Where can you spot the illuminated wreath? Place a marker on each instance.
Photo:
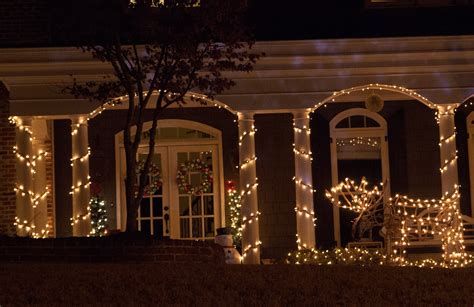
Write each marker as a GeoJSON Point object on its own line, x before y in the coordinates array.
{"type": "Point", "coordinates": [155, 178]}
{"type": "Point", "coordinates": [194, 165]}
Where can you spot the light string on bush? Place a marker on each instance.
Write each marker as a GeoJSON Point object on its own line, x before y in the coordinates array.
{"type": "Point", "coordinates": [357, 256]}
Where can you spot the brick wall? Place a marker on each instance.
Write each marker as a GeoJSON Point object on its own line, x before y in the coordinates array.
{"type": "Point", "coordinates": [117, 248]}
{"type": "Point", "coordinates": [7, 165]}
{"type": "Point", "coordinates": [49, 182]}
{"type": "Point", "coordinates": [276, 190]}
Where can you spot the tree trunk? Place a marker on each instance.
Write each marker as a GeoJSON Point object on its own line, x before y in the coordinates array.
{"type": "Point", "coordinates": [131, 201]}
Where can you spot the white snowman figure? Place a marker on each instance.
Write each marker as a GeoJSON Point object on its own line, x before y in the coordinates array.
{"type": "Point", "coordinates": [232, 256]}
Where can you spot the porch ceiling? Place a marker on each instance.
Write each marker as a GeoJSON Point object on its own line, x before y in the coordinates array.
{"type": "Point", "coordinates": [293, 75]}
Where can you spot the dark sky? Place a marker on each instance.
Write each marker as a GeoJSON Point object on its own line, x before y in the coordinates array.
{"type": "Point", "coordinates": [298, 19]}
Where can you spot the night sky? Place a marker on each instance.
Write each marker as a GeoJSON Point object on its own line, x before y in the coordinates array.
{"type": "Point", "coordinates": [298, 19]}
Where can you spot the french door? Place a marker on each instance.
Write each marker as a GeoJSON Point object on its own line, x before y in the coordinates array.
{"type": "Point", "coordinates": [169, 211]}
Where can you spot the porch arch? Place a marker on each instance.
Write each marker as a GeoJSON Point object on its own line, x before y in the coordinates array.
{"type": "Point", "coordinates": [116, 103]}
{"type": "Point", "coordinates": [376, 86]}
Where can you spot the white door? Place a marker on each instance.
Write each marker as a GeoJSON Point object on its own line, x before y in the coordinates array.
{"type": "Point", "coordinates": [154, 211]}
{"type": "Point", "coordinates": [194, 216]}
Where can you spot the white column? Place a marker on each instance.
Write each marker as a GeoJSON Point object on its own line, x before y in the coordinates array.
{"type": "Point", "coordinates": [24, 219]}
{"type": "Point", "coordinates": [447, 149]}
{"type": "Point", "coordinates": [40, 201]}
{"type": "Point", "coordinates": [248, 186]}
{"type": "Point", "coordinates": [303, 180]}
{"type": "Point", "coordinates": [80, 189]}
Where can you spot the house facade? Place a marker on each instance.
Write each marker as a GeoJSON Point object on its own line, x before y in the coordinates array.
{"type": "Point", "coordinates": [313, 112]}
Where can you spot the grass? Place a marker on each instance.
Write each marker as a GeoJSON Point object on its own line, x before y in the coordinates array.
{"type": "Point", "coordinates": [186, 284]}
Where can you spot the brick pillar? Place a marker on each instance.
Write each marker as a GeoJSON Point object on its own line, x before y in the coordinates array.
{"type": "Point", "coordinates": [303, 180]}
{"type": "Point", "coordinates": [248, 186]}
{"type": "Point", "coordinates": [7, 165]}
{"type": "Point", "coordinates": [447, 149]}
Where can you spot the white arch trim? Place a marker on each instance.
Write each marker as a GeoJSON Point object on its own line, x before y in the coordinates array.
{"type": "Point", "coordinates": [376, 86]}
{"type": "Point", "coordinates": [358, 111]}
{"type": "Point", "coordinates": [114, 102]}
{"type": "Point", "coordinates": [182, 123]}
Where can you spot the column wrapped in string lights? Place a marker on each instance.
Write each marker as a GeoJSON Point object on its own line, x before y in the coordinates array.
{"type": "Point", "coordinates": [303, 180]}
{"type": "Point", "coordinates": [248, 186]}
{"type": "Point", "coordinates": [80, 190]}
{"type": "Point", "coordinates": [447, 148]}
{"type": "Point", "coordinates": [41, 191]}
{"type": "Point", "coordinates": [24, 220]}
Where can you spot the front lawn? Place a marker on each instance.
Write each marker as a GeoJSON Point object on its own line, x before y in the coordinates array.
{"type": "Point", "coordinates": [132, 284]}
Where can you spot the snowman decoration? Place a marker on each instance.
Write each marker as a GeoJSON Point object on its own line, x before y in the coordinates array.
{"type": "Point", "coordinates": [232, 256]}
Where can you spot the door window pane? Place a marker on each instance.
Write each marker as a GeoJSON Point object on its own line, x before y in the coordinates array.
{"type": "Point", "coordinates": [157, 206]}
{"type": "Point", "coordinates": [184, 225]}
{"type": "Point", "coordinates": [209, 226]}
{"type": "Point", "coordinates": [182, 157]}
{"type": "Point", "coordinates": [196, 205]}
{"type": "Point", "coordinates": [145, 208]}
{"type": "Point", "coordinates": [208, 205]}
{"type": "Point", "coordinates": [184, 206]}
{"type": "Point", "coordinates": [196, 179]}
{"type": "Point", "coordinates": [194, 155]}
{"type": "Point", "coordinates": [197, 227]}
{"type": "Point", "coordinates": [145, 226]}
{"type": "Point", "coordinates": [158, 228]}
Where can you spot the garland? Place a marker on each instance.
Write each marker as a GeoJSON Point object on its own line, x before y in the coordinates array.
{"type": "Point", "coordinates": [234, 206]}
{"type": "Point", "coordinates": [155, 181]}
{"type": "Point", "coordinates": [98, 213]}
{"type": "Point", "coordinates": [194, 165]}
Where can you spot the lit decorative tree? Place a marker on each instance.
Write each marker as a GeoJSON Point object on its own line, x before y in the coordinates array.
{"type": "Point", "coordinates": [234, 212]}
{"type": "Point", "coordinates": [98, 212]}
